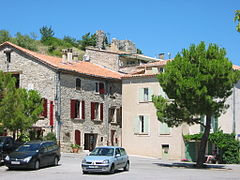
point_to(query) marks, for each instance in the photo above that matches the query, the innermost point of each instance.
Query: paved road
(141, 168)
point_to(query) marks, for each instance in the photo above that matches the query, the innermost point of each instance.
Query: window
(45, 108)
(164, 129)
(77, 109)
(214, 123)
(145, 94)
(99, 88)
(78, 84)
(141, 125)
(8, 54)
(161, 69)
(96, 111)
(112, 115)
(17, 77)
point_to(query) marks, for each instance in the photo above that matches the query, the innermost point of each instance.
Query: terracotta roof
(155, 64)
(138, 75)
(236, 67)
(82, 67)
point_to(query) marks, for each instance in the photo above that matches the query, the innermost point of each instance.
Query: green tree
(25, 41)
(46, 33)
(237, 18)
(4, 36)
(87, 40)
(197, 83)
(19, 108)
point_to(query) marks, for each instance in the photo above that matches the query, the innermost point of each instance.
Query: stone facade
(59, 87)
(87, 94)
(33, 75)
(104, 58)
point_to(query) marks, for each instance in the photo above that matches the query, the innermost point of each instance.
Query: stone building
(82, 100)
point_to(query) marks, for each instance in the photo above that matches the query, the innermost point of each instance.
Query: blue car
(106, 159)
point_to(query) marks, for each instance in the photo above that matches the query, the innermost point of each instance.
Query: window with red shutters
(44, 112)
(72, 109)
(83, 109)
(101, 111)
(101, 88)
(51, 113)
(92, 110)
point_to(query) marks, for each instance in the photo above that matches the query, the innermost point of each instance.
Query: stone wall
(87, 94)
(104, 58)
(33, 75)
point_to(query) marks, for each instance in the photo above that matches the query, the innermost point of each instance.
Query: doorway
(90, 141)
(165, 151)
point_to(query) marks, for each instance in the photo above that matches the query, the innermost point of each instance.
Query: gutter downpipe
(234, 111)
(58, 108)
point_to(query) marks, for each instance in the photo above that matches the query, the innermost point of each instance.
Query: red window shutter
(101, 88)
(45, 108)
(78, 137)
(72, 111)
(101, 111)
(51, 113)
(92, 110)
(83, 109)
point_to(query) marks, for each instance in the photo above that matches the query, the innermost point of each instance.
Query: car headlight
(84, 161)
(7, 158)
(106, 161)
(27, 159)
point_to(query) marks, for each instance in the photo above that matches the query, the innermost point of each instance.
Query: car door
(118, 158)
(124, 157)
(43, 155)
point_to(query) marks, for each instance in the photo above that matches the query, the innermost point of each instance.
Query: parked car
(7, 145)
(34, 155)
(106, 159)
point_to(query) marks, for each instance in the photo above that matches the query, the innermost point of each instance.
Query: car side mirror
(118, 155)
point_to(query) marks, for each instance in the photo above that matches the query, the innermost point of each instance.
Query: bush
(50, 137)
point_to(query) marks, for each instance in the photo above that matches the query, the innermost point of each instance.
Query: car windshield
(102, 152)
(28, 147)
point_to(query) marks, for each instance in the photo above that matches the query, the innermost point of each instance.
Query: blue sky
(155, 26)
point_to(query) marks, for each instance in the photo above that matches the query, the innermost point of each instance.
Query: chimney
(69, 55)
(64, 56)
(161, 55)
(75, 56)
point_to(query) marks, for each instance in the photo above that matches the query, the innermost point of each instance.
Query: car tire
(55, 161)
(112, 169)
(36, 165)
(126, 168)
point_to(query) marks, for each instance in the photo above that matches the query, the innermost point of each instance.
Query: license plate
(15, 162)
(93, 166)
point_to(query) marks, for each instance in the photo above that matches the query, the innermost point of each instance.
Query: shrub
(50, 136)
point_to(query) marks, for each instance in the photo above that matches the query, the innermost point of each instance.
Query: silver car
(106, 159)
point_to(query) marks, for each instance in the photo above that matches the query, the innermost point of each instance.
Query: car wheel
(55, 161)
(36, 165)
(112, 169)
(126, 168)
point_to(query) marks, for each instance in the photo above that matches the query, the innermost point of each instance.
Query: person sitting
(212, 158)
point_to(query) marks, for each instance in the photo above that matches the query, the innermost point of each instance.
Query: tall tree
(197, 83)
(19, 108)
(87, 40)
(46, 33)
(237, 18)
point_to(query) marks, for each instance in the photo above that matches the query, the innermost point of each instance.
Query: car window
(123, 152)
(43, 148)
(102, 152)
(28, 147)
(117, 151)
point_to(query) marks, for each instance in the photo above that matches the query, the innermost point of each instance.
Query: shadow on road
(192, 165)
